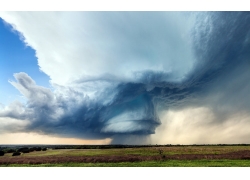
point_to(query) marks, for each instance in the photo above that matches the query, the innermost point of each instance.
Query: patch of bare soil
(126, 158)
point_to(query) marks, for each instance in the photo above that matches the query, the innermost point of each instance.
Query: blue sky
(16, 57)
(125, 77)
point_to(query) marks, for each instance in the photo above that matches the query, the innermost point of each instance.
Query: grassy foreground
(170, 163)
(7, 159)
(142, 151)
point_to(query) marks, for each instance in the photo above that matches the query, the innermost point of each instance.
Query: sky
(124, 77)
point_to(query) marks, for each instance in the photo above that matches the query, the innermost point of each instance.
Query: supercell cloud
(123, 75)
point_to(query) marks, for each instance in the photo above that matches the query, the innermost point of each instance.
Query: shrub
(1, 153)
(160, 151)
(16, 154)
(11, 150)
(32, 149)
(23, 150)
(44, 149)
(38, 149)
(35, 148)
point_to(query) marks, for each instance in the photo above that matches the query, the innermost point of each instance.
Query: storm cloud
(121, 75)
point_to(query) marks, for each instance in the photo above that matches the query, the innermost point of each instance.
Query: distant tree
(23, 150)
(1, 153)
(32, 149)
(11, 150)
(38, 149)
(16, 154)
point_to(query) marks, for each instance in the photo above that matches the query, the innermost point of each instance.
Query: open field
(154, 156)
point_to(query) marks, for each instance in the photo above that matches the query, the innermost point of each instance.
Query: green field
(206, 161)
(147, 151)
(170, 163)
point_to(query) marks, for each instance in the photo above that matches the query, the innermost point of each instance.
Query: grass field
(170, 163)
(176, 156)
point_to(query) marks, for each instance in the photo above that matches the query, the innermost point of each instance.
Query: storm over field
(133, 77)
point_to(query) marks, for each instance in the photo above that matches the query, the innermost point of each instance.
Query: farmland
(128, 156)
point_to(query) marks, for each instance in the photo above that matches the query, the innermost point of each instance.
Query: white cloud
(11, 124)
(73, 45)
